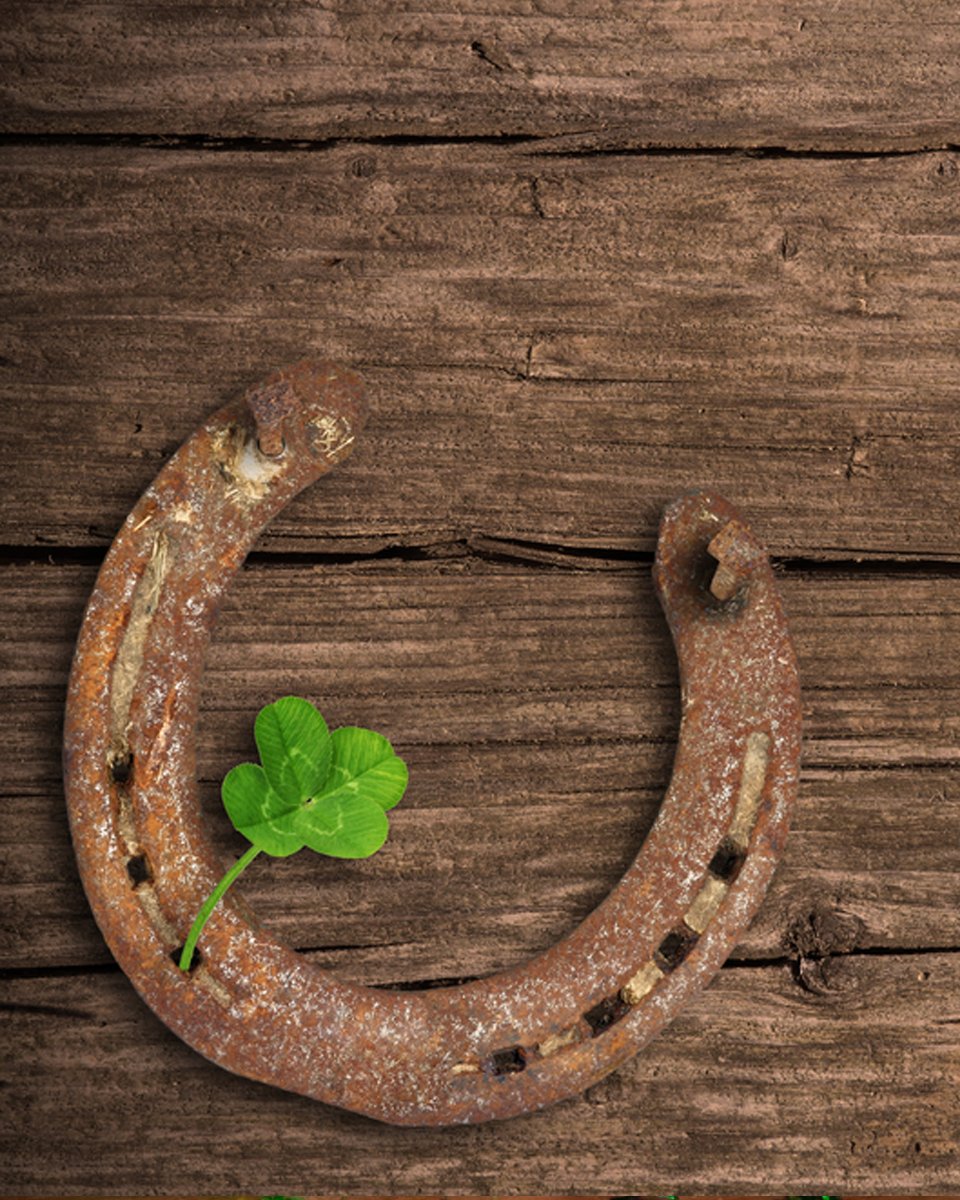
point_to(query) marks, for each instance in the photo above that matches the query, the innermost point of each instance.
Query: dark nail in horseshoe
(494, 1048)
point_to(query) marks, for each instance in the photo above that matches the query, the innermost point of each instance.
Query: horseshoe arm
(500, 1046)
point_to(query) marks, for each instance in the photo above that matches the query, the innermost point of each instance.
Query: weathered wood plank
(463, 652)
(553, 349)
(537, 709)
(829, 76)
(463, 891)
(853, 1089)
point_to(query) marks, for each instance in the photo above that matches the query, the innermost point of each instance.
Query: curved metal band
(494, 1048)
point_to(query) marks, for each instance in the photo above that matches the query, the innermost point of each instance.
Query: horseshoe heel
(494, 1048)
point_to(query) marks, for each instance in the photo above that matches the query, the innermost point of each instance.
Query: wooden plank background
(820, 75)
(586, 256)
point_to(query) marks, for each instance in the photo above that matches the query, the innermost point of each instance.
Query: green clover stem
(211, 903)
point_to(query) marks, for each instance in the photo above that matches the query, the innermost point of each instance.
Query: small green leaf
(348, 818)
(255, 809)
(343, 825)
(363, 763)
(294, 745)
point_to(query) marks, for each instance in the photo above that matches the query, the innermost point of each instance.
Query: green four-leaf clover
(328, 791)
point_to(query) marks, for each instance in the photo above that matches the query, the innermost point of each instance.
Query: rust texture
(271, 403)
(494, 1048)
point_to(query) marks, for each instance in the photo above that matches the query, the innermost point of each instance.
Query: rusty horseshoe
(493, 1048)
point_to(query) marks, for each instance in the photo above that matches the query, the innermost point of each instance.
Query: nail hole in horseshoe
(139, 870)
(508, 1061)
(675, 947)
(608, 1012)
(727, 861)
(121, 767)
(175, 959)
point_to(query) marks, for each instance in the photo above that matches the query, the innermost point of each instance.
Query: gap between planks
(491, 548)
(563, 146)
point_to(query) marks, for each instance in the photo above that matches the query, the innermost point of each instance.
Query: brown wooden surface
(557, 339)
(783, 329)
(824, 74)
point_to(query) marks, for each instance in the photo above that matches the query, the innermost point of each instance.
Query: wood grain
(537, 709)
(855, 75)
(586, 256)
(552, 349)
(756, 1079)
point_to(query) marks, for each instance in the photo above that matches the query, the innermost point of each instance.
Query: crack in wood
(46, 1010)
(481, 51)
(553, 147)
(731, 964)
(491, 548)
